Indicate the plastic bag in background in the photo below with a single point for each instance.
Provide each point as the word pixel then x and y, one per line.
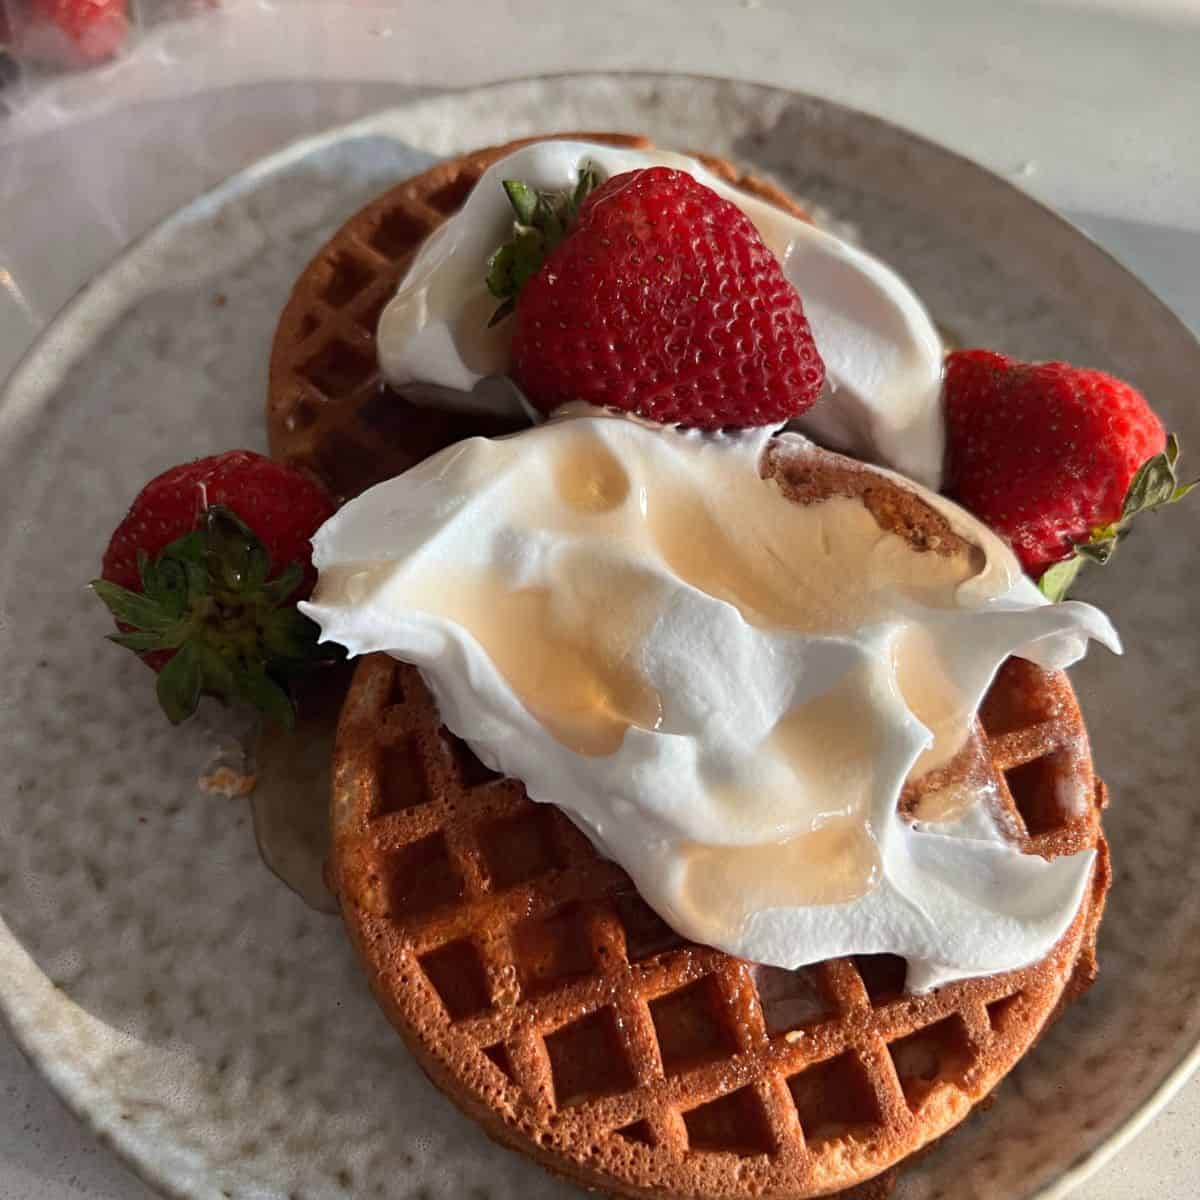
pixel 66 34
pixel 42 39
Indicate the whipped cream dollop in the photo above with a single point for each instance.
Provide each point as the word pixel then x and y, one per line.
pixel 883 356
pixel 724 688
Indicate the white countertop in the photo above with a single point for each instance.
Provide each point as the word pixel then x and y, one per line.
pixel 1089 104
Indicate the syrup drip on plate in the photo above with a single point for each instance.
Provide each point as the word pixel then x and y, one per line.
pixel 290 804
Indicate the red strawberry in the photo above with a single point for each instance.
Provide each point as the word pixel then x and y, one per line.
pixel 1055 458
pixel 661 299
pixel 203 575
pixel 74 33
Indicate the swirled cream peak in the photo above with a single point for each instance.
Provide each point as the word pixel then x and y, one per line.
pixel 726 689
pixel 882 354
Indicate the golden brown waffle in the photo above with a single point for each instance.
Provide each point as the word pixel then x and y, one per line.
pixel 327 409
pixel 553 1005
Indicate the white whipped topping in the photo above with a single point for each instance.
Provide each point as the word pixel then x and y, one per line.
pixel 726 690
pixel 883 356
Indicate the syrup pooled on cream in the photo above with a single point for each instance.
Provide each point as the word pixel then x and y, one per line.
pixel 725 689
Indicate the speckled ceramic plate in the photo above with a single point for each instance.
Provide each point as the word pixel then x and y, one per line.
pixel 191 1009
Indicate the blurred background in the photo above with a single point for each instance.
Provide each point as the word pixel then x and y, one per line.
pixel 115 112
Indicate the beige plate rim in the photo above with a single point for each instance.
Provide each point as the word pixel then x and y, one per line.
pixel 42 367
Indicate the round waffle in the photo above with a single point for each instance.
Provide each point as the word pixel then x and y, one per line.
pixel 327 409
pixel 523 970
pixel 554 1006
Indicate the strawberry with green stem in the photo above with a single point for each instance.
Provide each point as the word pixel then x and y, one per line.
pixel 652 294
pixel 1057 459
pixel 542 221
pixel 203 576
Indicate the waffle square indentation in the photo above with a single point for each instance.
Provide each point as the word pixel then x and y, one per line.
pixel 1001 1012
pixel 735 1124
pixel 637 1131
pixel 449 197
pixel 367 317
pixel 938 1053
pixel 402 782
pixel 396 234
pixel 1035 791
pixel 471 772
pixel 691 1026
pixel 792 999
pixel 422 877
pixel 338 369
pixel 552 949
pixel 835 1099
pixel 500 1057
pixel 646 933
pixel 458 977
pixel 345 277
pixel 587 1059
pixel 300 415
pixel 518 848
pixel 882 975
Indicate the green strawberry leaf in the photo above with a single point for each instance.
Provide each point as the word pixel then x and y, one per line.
pixel 288 634
pixel 1056 580
pixel 516 262
pixel 209 596
pixel 550 218
pixel 179 685
pixel 502 311
pixel 542 220
pixel 234 557
pixel 1155 483
pixel 165 582
pixel 132 608
pixel 589 180
pixel 1153 486
pixel 139 643
pixel 190 548
pixel 218 670
pixel 523 198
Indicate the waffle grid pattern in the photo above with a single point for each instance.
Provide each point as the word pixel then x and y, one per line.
pixel 328 410
pixel 501 944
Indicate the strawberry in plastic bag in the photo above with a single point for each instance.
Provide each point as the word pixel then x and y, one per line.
pixel 67 33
